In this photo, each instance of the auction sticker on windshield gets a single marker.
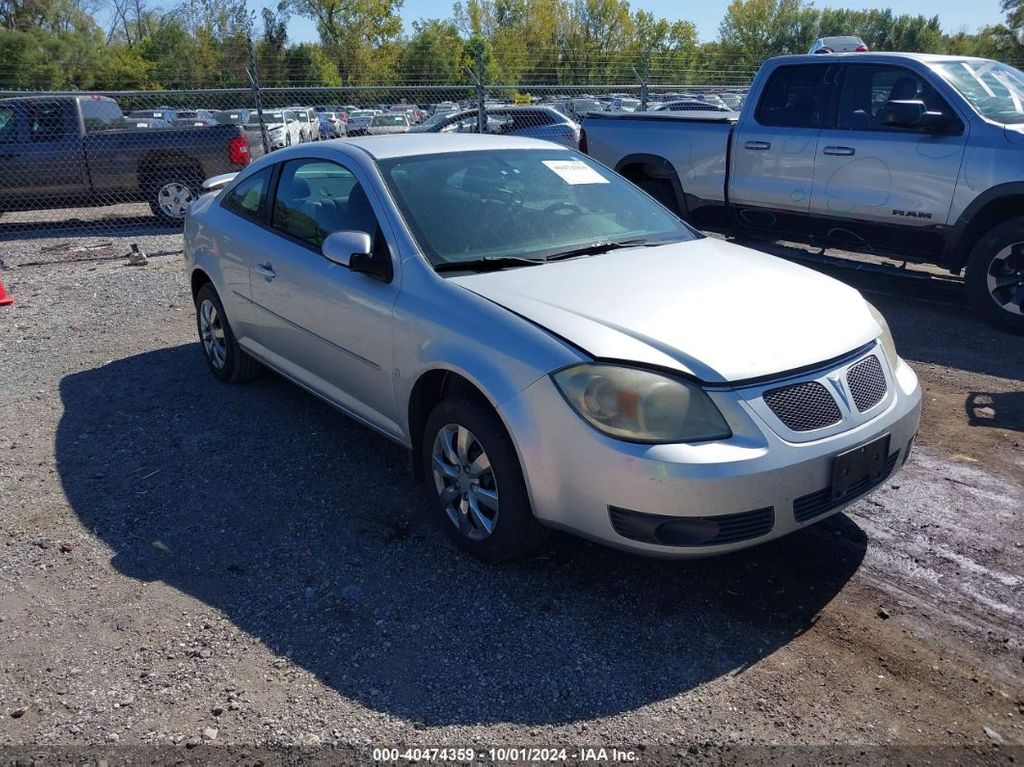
(575, 172)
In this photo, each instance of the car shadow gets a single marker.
(1003, 410)
(307, 531)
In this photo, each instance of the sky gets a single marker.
(954, 15)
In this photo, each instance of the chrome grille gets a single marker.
(867, 383)
(803, 406)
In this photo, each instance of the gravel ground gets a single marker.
(190, 563)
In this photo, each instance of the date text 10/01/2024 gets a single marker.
(505, 754)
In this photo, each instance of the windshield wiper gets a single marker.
(489, 264)
(596, 248)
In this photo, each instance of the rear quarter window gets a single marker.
(794, 97)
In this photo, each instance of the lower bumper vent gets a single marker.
(692, 531)
(812, 505)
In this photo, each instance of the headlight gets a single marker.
(888, 345)
(641, 405)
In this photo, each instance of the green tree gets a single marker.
(434, 53)
(753, 30)
(361, 36)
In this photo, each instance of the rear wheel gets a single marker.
(995, 276)
(227, 361)
(171, 194)
(478, 482)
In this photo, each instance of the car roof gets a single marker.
(874, 56)
(412, 144)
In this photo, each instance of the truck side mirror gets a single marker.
(912, 113)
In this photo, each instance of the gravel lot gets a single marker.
(188, 563)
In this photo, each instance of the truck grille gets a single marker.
(803, 406)
(867, 383)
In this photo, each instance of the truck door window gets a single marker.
(46, 122)
(100, 114)
(795, 97)
(8, 126)
(867, 88)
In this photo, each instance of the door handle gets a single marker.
(758, 145)
(267, 270)
(839, 151)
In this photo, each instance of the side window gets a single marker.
(100, 114)
(8, 126)
(316, 197)
(248, 198)
(795, 97)
(46, 121)
(867, 89)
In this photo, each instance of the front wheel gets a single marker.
(478, 482)
(995, 276)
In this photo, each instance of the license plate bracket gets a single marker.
(857, 469)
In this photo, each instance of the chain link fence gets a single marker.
(76, 164)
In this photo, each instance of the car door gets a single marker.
(774, 145)
(48, 163)
(324, 325)
(241, 239)
(10, 140)
(881, 180)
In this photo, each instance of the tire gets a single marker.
(661, 190)
(171, 193)
(995, 276)
(515, 530)
(232, 364)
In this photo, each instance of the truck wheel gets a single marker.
(171, 193)
(995, 276)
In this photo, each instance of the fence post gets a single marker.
(643, 89)
(254, 79)
(481, 117)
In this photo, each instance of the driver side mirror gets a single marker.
(354, 250)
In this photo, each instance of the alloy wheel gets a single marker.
(465, 482)
(1006, 278)
(211, 330)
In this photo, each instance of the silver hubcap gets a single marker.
(174, 199)
(465, 481)
(1006, 278)
(211, 330)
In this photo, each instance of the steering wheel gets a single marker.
(569, 207)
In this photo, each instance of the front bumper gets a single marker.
(582, 481)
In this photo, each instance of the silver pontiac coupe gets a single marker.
(556, 348)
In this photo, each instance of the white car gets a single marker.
(839, 44)
(283, 127)
(554, 347)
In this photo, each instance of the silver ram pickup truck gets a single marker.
(919, 156)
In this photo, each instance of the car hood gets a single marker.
(720, 312)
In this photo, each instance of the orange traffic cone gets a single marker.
(5, 299)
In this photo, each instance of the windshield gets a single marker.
(389, 120)
(995, 90)
(521, 203)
